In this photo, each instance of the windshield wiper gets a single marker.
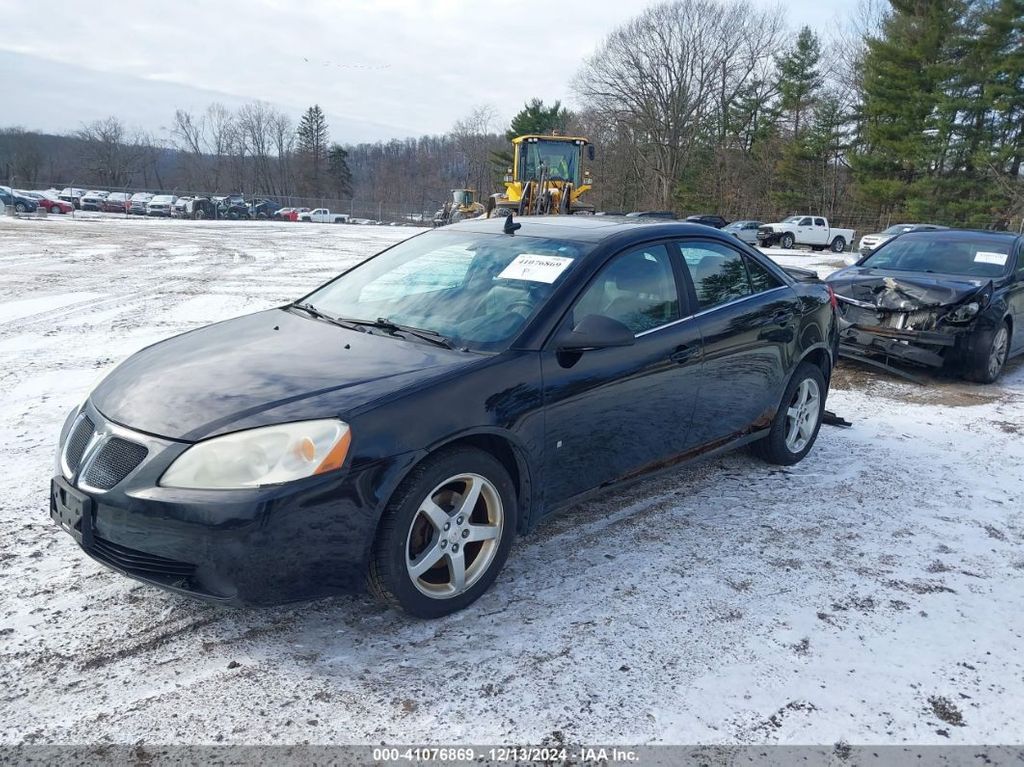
(382, 323)
(340, 321)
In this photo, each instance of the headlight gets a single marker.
(269, 455)
(964, 313)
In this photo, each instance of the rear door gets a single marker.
(611, 413)
(747, 316)
(817, 232)
(1015, 298)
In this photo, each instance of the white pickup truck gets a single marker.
(805, 230)
(324, 216)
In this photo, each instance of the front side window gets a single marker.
(637, 288)
(805, 222)
(476, 290)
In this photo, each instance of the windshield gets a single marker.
(979, 256)
(561, 160)
(476, 290)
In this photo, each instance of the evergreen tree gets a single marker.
(799, 78)
(338, 171)
(312, 148)
(534, 117)
(904, 74)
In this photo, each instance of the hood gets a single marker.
(260, 369)
(903, 291)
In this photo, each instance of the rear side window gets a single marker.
(760, 278)
(721, 274)
(819, 222)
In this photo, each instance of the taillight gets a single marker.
(832, 298)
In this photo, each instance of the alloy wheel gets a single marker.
(802, 415)
(454, 536)
(997, 357)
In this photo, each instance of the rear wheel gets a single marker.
(445, 534)
(795, 426)
(20, 207)
(838, 245)
(787, 241)
(54, 209)
(988, 358)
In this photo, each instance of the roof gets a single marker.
(584, 228)
(570, 139)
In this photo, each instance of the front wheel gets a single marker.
(445, 534)
(787, 241)
(988, 358)
(795, 426)
(838, 245)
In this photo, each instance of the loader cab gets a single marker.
(557, 157)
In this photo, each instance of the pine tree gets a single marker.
(905, 76)
(534, 117)
(338, 170)
(312, 148)
(799, 78)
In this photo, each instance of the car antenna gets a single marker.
(511, 228)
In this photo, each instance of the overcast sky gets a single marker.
(379, 68)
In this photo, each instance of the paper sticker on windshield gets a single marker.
(535, 268)
(987, 257)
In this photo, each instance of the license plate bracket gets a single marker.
(72, 510)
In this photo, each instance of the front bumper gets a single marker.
(265, 546)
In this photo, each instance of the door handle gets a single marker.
(683, 354)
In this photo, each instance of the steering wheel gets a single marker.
(513, 307)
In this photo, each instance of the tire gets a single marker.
(987, 358)
(233, 215)
(787, 241)
(838, 245)
(261, 216)
(19, 207)
(407, 538)
(779, 446)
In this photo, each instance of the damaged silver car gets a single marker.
(950, 299)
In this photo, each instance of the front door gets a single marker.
(612, 413)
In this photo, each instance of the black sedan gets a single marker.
(948, 298)
(401, 424)
(18, 201)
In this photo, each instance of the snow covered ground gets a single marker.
(871, 594)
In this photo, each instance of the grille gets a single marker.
(139, 562)
(115, 461)
(77, 442)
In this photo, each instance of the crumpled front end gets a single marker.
(923, 321)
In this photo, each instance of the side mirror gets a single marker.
(595, 331)
(590, 152)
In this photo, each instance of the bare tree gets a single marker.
(475, 137)
(672, 73)
(111, 156)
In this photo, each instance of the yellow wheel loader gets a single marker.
(546, 177)
(461, 206)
